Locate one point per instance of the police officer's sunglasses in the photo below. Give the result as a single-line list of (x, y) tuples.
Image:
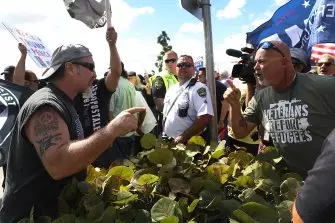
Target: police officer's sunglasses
[(184, 65), (172, 60), (269, 45)]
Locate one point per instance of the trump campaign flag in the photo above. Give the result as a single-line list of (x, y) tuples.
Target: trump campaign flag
[(320, 27), (12, 97), (287, 24), (92, 13)]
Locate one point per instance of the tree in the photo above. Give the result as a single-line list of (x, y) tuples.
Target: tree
[(163, 40)]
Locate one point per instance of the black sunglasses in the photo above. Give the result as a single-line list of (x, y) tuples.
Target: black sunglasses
[(184, 65), (172, 60), (269, 45), (327, 64), (89, 66)]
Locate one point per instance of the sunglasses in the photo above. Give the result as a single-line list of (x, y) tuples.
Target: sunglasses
[(184, 65), (269, 45), (327, 64), (89, 66), (172, 60)]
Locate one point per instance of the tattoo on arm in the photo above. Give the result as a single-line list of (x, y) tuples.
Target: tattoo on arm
[(46, 129), (243, 123)]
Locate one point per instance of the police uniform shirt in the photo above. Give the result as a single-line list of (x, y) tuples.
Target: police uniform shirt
[(199, 103)]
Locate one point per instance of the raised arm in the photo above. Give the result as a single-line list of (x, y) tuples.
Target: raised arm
[(112, 79), (20, 69), (49, 134), (240, 126)]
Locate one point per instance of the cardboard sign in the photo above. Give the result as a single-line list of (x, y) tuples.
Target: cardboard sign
[(36, 49)]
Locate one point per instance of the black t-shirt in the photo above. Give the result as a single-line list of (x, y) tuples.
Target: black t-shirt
[(220, 89), (158, 88), (28, 183), (93, 112), (316, 198)]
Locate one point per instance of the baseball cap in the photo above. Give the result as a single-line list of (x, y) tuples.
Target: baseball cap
[(301, 56), (9, 70), (63, 54)]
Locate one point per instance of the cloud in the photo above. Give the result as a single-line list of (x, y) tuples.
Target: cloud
[(222, 60), (52, 23), (192, 28), (232, 10)]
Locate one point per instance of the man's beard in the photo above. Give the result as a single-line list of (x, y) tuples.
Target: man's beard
[(88, 93)]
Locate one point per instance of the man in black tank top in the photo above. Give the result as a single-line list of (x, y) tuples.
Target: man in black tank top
[(48, 146)]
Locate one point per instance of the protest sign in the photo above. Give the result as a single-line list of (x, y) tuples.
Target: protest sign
[(198, 63), (36, 49)]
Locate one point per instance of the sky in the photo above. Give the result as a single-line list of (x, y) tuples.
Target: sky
[(138, 23)]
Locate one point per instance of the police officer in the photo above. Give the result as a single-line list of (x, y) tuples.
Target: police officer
[(187, 106), (162, 82)]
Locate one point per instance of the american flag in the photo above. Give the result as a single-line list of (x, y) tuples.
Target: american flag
[(322, 48)]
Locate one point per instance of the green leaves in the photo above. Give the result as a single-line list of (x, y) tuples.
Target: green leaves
[(147, 179), (164, 208), (122, 172), (148, 141), (161, 156), (181, 183)]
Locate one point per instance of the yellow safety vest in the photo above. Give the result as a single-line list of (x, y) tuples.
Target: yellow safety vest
[(168, 79)]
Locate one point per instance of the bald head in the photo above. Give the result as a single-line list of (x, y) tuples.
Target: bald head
[(274, 65)]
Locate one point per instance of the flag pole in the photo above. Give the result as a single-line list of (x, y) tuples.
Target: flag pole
[(108, 13)]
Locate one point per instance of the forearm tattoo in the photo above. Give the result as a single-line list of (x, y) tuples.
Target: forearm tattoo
[(46, 129)]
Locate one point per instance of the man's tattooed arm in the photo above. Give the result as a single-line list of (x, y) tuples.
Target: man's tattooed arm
[(46, 131)]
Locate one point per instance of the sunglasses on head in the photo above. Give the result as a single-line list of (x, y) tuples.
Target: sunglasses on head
[(184, 65), (269, 45), (89, 66), (172, 60), (327, 64)]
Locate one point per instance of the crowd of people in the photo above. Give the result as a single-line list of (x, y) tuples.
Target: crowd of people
[(70, 119)]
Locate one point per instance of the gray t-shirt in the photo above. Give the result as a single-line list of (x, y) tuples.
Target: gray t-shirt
[(298, 119)]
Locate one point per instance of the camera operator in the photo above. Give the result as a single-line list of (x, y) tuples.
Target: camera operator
[(296, 111), (244, 71)]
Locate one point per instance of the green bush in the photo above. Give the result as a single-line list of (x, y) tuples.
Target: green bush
[(182, 183)]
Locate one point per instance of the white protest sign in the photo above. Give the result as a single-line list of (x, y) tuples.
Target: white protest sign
[(199, 63), (36, 49)]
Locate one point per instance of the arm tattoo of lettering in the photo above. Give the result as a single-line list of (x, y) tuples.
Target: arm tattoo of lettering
[(45, 129), (243, 123)]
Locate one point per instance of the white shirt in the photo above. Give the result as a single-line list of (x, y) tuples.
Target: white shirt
[(200, 103)]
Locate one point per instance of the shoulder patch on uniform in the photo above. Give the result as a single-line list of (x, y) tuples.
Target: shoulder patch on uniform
[(159, 83), (202, 92)]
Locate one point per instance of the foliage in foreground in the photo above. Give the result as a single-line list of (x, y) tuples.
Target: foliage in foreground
[(176, 183)]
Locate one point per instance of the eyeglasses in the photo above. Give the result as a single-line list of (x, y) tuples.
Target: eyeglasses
[(184, 65), (296, 61), (269, 45), (89, 66), (172, 60), (327, 64)]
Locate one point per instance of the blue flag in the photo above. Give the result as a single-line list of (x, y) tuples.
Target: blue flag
[(287, 24), (320, 27)]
